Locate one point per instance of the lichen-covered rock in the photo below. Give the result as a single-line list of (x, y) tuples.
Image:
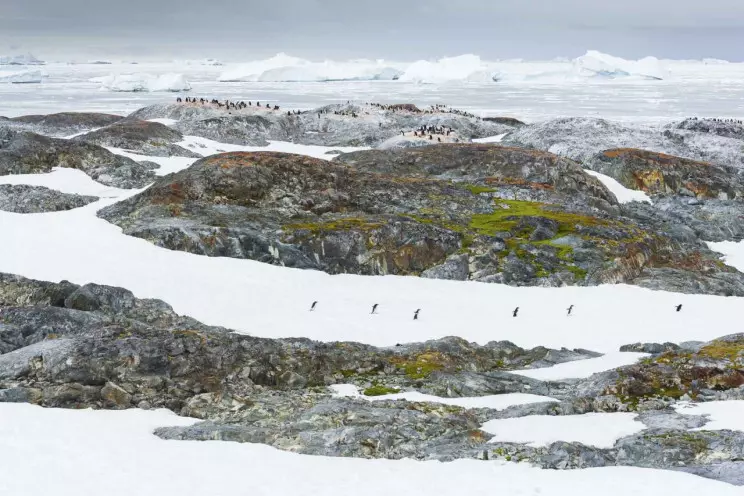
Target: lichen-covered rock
[(23, 152), (520, 217), (659, 174), (144, 137)]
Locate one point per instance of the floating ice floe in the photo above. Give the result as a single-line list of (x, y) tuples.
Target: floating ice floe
[(24, 77), (598, 64), (24, 59)]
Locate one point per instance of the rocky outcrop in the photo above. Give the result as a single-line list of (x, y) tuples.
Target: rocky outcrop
[(467, 212), (582, 139), (659, 174), (23, 152), (24, 199), (65, 123), (144, 137), (728, 128), (507, 121), (64, 345), (332, 125)]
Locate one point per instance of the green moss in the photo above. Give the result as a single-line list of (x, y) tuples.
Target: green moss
[(724, 350), (477, 190), (506, 216), (378, 390), (420, 366), (578, 272)]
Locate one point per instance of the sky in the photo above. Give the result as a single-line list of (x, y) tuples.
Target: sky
[(235, 30)]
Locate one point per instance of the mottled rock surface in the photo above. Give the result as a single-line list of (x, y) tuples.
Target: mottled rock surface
[(22, 199), (63, 124), (143, 137)]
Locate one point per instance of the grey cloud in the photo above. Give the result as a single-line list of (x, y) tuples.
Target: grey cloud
[(376, 28)]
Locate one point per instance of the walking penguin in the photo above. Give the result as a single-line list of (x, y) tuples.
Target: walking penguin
[(516, 311), (679, 308), (570, 309), (415, 314), (312, 307), (374, 308)]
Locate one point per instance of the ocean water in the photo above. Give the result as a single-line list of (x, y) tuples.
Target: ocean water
[(531, 91)]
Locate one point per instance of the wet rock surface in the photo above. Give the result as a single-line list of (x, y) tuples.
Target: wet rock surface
[(24, 199)]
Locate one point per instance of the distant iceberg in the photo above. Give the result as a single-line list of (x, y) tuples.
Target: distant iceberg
[(25, 59), (143, 83), (285, 68), (24, 77), (462, 68), (598, 64)]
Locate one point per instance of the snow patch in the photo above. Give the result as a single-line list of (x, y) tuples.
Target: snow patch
[(581, 369), (165, 121), (723, 415), (623, 194), (72, 181), (496, 402), (490, 139), (733, 252), (601, 430)]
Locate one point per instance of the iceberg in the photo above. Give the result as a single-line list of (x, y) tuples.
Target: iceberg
[(25, 59), (598, 64), (285, 68), (25, 77), (447, 69), (143, 83)]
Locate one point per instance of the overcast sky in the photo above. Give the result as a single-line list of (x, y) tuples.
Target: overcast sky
[(393, 29)]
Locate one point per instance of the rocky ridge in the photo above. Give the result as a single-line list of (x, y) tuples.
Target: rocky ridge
[(468, 212)]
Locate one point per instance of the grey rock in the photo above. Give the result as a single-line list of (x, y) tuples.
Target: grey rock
[(143, 137), (23, 199)]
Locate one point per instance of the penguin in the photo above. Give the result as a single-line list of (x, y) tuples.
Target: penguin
[(570, 309), (374, 308), (516, 311), (312, 307), (679, 308), (415, 314)]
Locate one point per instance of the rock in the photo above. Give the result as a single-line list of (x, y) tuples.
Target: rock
[(581, 139), (520, 217), (143, 137), (22, 152), (507, 121), (455, 268), (652, 348), (659, 174), (115, 395), (22, 199), (63, 124), (332, 125)]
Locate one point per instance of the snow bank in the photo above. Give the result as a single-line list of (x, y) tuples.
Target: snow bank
[(497, 402), (598, 64), (285, 68), (592, 429), (143, 82), (25, 59), (23, 77), (733, 252), (84, 452)]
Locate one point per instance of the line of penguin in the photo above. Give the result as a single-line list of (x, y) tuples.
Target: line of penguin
[(227, 104), (515, 313)]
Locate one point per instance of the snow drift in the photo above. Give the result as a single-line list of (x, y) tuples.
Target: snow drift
[(23, 77), (143, 82)]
